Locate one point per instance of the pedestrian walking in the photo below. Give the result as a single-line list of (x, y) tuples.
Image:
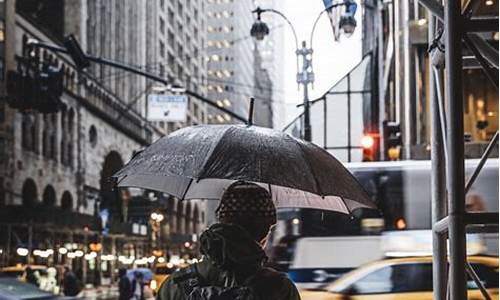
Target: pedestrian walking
[(233, 260), (138, 286), (30, 277), (71, 284), (124, 285)]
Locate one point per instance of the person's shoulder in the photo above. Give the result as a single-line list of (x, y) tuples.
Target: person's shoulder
[(170, 288), (277, 284)]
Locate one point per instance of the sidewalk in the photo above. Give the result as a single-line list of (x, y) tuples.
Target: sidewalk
[(102, 292)]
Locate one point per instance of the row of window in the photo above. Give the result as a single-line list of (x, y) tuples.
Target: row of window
[(43, 131), (220, 88), (220, 44), (224, 28), (220, 15), (220, 73), (218, 58), (220, 118)]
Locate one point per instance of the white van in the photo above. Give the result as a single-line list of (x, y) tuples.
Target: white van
[(319, 260)]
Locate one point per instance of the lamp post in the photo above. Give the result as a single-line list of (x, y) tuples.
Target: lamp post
[(305, 75), (156, 219)]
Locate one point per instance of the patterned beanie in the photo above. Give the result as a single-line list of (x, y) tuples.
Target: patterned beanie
[(246, 200)]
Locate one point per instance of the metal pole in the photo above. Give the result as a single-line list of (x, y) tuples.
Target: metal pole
[(305, 79), (128, 68), (439, 261), (380, 78), (349, 118), (30, 243), (455, 138)]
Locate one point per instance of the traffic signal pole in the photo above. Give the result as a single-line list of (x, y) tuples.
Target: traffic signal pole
[(438, 180), (118, 65), (458, 25)]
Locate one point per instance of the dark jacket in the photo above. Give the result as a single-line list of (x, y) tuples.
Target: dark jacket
[(125, 289), (71, 285), (231, 255)]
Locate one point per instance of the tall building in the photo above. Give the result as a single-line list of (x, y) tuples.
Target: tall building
[(272, 59), (54, 167), (176, 31), (163, 37), (230, 57), (263, 92)]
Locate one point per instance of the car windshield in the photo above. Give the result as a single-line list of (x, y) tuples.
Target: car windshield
[(11, 288), (12, 273)]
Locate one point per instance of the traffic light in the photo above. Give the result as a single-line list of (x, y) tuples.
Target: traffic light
[(392, 139), (19, 91), (35, 90), (49, 85), (369, 145)]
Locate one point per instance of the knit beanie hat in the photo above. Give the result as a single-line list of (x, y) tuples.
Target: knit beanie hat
[(246, 200)]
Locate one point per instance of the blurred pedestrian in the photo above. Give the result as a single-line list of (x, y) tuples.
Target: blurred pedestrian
[(71, 285), (138, 286), (233, 260), (30, 276), (124, 285)]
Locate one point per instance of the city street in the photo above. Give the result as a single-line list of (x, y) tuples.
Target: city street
[(250, 149)]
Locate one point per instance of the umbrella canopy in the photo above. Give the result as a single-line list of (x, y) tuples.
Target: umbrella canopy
[(147, 274), (198, 162)]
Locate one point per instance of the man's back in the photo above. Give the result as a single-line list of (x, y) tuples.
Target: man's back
[(233, 260), (266, 284)]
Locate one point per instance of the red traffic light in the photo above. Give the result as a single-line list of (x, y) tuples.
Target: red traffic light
[(367, 142)]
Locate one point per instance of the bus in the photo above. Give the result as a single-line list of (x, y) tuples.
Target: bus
[(402, 192)]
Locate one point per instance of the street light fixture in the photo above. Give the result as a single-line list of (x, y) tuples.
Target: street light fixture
[(305, 76), (259, 28)]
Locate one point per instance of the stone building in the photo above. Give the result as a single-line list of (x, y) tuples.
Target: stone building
[(54, 168)]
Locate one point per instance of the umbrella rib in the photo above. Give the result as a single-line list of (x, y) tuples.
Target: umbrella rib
[(187, 188)]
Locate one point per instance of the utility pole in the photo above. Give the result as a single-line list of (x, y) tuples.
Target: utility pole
[(305, 77)]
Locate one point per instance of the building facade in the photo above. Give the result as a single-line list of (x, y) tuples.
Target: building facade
[(230, 56), (54, 168)]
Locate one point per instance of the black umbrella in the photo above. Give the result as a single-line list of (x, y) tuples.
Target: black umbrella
[(199, 162)]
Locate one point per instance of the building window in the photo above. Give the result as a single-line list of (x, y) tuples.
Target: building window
[(171, 39), (171, 61), (180, 9), (162, 49), (162, 70), (70, 137), (180, 28), (162, 25), (171, 17), (93, 136), (162, 4), (63, 155)]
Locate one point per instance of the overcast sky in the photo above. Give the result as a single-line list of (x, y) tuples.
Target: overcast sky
[(332, 60)]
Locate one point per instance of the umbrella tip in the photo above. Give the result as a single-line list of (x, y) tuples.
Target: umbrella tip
[(250, 112)]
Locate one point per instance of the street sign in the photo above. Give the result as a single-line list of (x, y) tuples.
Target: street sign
[(169, 108)]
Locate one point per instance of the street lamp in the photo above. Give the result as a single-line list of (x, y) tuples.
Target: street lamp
[(347, 25)]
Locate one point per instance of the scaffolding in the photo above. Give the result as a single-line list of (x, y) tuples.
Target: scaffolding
[(449, 216)]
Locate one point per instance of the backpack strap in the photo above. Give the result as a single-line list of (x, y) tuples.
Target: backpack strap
[(187, 279)]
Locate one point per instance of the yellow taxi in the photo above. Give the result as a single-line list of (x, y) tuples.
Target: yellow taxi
[(161, 273), (408, 278), (18, 271)]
